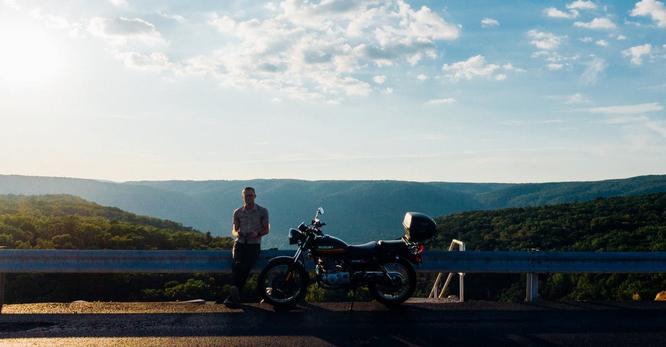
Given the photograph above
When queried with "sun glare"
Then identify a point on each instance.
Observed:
(29, 55)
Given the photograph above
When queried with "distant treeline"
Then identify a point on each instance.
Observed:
(614, 224)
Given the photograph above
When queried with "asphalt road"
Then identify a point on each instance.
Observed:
(420, 324)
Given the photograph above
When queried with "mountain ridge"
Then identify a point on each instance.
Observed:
(356, 210)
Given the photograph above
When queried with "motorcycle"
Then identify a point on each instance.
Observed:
(386, 267)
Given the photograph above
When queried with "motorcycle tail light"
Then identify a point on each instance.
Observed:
(420, 249)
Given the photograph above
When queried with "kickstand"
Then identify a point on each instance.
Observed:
(351, 306)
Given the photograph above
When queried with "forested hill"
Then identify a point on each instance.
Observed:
(64, 221)
(636, 223)
(537, 194)
(356, 211)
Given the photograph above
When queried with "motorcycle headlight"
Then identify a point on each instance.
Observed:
(294, 236)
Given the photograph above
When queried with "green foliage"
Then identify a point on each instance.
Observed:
(68, 222)
(615, 224)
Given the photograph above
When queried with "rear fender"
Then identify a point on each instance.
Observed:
(393, 251)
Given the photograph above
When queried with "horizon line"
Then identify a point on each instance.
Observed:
(326, 180)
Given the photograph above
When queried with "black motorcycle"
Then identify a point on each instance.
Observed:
(385, 267)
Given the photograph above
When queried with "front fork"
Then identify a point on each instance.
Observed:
(297, 259)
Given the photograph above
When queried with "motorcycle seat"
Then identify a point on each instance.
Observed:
(390, 245)
(363, 249)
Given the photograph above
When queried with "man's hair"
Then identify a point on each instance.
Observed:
(249, 188)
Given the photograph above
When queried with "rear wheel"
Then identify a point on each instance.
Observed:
(399, 288)
(282, 282)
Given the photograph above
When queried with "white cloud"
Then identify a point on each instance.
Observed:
(577, 98)
(476, 66)
(554, 57)
(556, 13)
(120, 30)
(597, 24)
(570, 99)
(617, 37)
(652, 8)
(510, 67)
(422, 77)
(380, 79)
(155, 62)
(602, 43)
(636, 53)
(271, 6)
(544, 40)
(489, 22)
(628, 109)
(555, 60)
(473, 67)
(119, 3)
(555, 66)
(444, 101)
(314, 50)
(52, 21)
(586, 39)
(12, 3)
(176, 17)
(594, 69)
(634, 115)
(224, 24)
(658, 127)
(582, 5)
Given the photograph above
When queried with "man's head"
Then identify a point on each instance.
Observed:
(248, 196)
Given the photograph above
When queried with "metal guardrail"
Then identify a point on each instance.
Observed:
(167, 261)
(544, 262)
(121, 261)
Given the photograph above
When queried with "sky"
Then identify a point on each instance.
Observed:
(466, 91)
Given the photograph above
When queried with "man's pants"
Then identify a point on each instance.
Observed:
(244, 256)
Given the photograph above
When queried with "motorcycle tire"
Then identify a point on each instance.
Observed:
(296, 278)
(377, 292)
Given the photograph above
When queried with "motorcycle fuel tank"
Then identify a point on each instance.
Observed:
(329, 245)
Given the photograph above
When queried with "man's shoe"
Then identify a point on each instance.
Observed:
(230, 303)
(235, 295)
(233, 300)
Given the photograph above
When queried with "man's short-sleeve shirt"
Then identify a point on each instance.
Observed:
(248, 221)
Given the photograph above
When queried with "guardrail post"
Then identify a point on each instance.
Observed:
(2, 290)
(532, 289)
(462, 287)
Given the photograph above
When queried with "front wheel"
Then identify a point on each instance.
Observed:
(399, 288)
(282, 282)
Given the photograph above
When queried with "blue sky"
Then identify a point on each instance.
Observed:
(475, 91)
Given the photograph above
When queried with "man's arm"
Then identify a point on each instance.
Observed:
(265, 226)
(235, 231)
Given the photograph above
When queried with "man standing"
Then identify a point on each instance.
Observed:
(250, 223)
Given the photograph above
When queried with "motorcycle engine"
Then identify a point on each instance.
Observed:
(331, 272)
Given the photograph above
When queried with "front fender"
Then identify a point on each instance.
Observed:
(286, 260)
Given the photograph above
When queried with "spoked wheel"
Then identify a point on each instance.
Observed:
(399, 288)
(282, 282)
